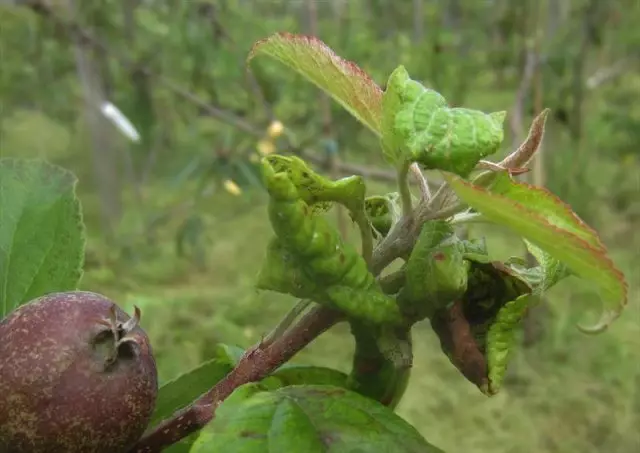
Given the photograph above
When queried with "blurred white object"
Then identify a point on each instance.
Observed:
(120, 121)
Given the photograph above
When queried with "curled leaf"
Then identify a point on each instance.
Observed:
(436, 272)
(478, 332)
(314, 188)
(435, 135)
(281, 272)
(312, 255)
(343, 80)
(550, 224)
(383, 211)
(371, 305)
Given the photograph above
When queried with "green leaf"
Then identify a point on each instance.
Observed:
(550, 224)
(392, 102)
(321, 256)
(370, 305)
(477, 332)
(431, 133)
(281, 272)
(382, 362)
(383, 211)
(41, 231)
(306, 418)
(184, 389)
(501, 338)
(343, 80)
(436, 272)
(295, 374)
(314, 188)
(552, 270)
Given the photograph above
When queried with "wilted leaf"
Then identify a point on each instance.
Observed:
(306, 419)
(546, 221)
(477, 332)
(41, 231)
(343, 80)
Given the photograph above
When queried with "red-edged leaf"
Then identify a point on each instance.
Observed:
(343, 80)
(546, 221)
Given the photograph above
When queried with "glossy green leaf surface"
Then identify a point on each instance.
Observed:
(343, 80)
(306, 419)
(42, 236)
(550, 224)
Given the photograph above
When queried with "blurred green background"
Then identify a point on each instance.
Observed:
(164, 234)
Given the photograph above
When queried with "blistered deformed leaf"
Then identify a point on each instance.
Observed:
(340, 273)
(371, 305)
(428, 131)
(478, 332)
(42, 235)
(392, 102)
(550, 224)
(281, 272)
(343, 80)
(436, 272)
(314, 188)
(307, 419)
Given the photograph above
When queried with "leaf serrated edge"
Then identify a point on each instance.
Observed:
(608, 315)
(66, 177)
(349, 68)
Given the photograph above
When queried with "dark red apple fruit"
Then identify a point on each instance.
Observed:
(77, 375)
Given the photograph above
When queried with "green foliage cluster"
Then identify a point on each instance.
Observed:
(474, 302)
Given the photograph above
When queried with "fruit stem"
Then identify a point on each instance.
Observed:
(256, 364)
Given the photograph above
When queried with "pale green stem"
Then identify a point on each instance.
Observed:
(405, 191)
(366, 235)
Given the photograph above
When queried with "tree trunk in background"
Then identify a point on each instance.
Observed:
(418, 21)
(103, 153)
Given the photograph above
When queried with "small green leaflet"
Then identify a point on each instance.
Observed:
(313, 419)
(547, 222)
(383, 211)
(418, 125)
(41, 231)
(343, 80)
(552, 270)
